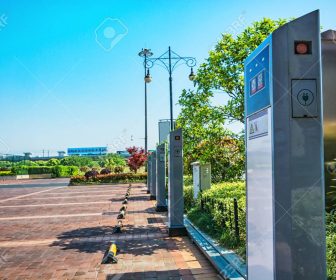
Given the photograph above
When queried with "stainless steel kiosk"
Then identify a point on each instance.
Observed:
(284, 149)
(175, 184)
(329, 112)
(149, 172)
(153, 176)
(161, 204)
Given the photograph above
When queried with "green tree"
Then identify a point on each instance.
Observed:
(205, 136)
(223, 70)
(112, 160)
(78, 161)
(53, 162)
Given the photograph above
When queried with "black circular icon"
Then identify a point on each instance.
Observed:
(305, 97)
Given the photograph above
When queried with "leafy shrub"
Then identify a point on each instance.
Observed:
(189, 201)
(331, 245)
(85, 169)
(112, 160)
(137, 158)
(119, 169)
(25, 170)
(6, 173)
(65, 171)
(105, 171)
(213, 212)
(91, 174)
(110, 178)
(53, 162)
(56, 171)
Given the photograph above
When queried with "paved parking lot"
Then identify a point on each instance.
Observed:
(52, 231)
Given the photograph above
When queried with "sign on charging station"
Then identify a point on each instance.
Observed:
(284, 150)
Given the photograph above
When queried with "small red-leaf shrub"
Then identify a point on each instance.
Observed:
(112, 178)
(137, 158)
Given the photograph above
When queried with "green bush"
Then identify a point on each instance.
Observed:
(56, 171)
(6, 173)
(188, 193)
(110, 179)
(213, 213)
(65, 171)
(331, 245)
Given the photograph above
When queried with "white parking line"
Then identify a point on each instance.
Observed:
(79, 196)
(29, 194)
(50, 216)
(55, 204)
(88, 191)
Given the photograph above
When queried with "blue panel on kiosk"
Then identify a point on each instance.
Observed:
(257, 77)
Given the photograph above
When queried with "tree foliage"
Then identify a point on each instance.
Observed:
(205, 136)
(223, 70)
(112, 160)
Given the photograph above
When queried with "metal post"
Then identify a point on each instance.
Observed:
(170, 91)
(145, 106)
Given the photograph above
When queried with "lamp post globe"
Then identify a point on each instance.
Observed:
(148, 77)
(192, 76)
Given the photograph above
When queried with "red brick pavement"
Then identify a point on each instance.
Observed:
(62, 233)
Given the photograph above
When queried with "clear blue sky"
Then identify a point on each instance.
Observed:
(59, 88)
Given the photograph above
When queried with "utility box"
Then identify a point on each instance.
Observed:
(328, 45)
(201, 177)
(284, 155)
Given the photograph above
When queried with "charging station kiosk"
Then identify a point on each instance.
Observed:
(284, 151)
(175, 184)
(328, 45)
(153, 176)
(149, 172)
(161, 205)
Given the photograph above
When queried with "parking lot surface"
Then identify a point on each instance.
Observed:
(52, 231)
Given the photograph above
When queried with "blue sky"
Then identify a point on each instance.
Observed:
(59, 88)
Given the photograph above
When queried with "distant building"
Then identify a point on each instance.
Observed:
(89, 151)
(27, 155)
(124, 154)
(61, 154)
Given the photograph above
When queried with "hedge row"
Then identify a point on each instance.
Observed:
(55, 171)
(109, 179)
(213, 211)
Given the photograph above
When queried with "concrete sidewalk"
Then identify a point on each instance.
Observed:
(62, 233)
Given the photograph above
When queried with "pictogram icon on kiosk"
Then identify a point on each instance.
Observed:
(305, 97)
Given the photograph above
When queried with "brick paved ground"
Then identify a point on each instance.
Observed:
(50, 231)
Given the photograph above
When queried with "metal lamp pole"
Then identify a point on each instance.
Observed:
(145, 53)
(171, 60)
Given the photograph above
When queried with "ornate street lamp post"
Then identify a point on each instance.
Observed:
(170, 60)
(146, 53)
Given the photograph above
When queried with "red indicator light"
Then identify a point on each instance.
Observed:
(303, 47)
